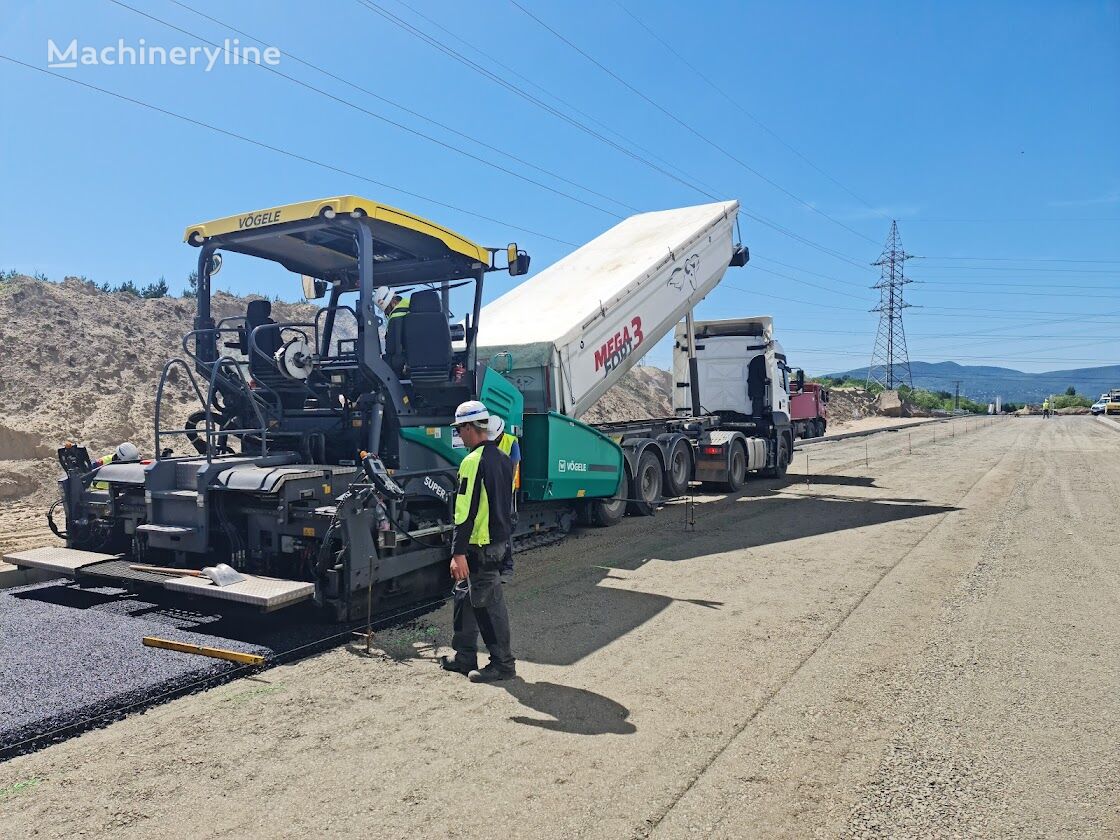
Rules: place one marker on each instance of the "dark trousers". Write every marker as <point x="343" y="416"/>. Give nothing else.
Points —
<point x="482" y="608"/>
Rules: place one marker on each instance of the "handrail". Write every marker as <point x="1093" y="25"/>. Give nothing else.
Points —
<point x="210" y="434"/>
<point x="218" y="331"/>
<point x="159" y="396"/>
<point x="336" y="310"/>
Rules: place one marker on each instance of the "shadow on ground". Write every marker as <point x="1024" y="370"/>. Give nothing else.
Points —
<point x="583" y="615"/>
<point x="573" y="710"/>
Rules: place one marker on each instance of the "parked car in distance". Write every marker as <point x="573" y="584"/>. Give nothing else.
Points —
<point x="1098" y="406"/>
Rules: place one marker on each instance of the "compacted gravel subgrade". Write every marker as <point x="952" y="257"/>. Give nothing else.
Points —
<point x="917" y="640"/>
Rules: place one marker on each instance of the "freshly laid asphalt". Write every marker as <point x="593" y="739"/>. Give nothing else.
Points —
<point x="69" y="654"/>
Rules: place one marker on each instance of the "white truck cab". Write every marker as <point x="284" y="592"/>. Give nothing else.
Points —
<point x="741" y="370"/>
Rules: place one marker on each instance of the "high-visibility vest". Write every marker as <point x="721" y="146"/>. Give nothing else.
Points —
<point x="468" y="482"/>
<point x="506" y="443"/>
<point x="101" y="462"/>
<point x="401" y="309"/>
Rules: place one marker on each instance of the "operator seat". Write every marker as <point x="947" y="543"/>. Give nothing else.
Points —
<point x="263" y="368"/>
<point x="259" y="314"/>
<point x="426" y="340"/>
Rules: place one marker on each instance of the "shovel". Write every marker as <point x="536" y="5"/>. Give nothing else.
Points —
<point x="222" y="575"/>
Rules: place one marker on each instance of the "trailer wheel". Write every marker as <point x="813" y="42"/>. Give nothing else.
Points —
<point x="607" y="512"/>
<point x="736" y="468"/>
<point x="645" y="485"/>
<point x="679" y="471"/>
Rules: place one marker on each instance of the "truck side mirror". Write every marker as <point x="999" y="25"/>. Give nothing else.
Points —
<point x="740" y="256"/>
<point x="518" y="260"/>
<point x="313" y="287"/>
<point x="800" y="380"/>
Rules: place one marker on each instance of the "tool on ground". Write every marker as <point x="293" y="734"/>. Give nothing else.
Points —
<point x="222" y="575"/>
<point x="200" y="650"/>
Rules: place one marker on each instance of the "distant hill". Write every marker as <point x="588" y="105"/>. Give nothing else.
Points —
<point x="984" y="383"/>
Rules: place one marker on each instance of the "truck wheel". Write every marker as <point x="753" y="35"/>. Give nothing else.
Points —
<point x="736" y="468"/>
<point x="782" y="463"/>
<point x="677" y="474"/>
<point x="645" y="485"/>
<point x="607" y="512"/>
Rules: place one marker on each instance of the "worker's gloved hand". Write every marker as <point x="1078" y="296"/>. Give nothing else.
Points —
<point x="459" y="569"/>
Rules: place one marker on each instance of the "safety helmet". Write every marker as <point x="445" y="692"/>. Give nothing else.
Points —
<point x="381" y="296"/>
<point x="472" y="411"/>
<point x="497" y="427"/>
<point x="126" y="452"/>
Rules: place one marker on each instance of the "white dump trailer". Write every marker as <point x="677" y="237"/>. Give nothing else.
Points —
<point x="567" y="334"/>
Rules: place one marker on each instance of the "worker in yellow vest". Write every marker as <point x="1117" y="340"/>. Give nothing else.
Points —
<point x="482" y="528"/>
<point x="395" y="308"/>
<point x="508" y="444"/>
<point x="1046" y="407"/>
<point x="124" y="453"/>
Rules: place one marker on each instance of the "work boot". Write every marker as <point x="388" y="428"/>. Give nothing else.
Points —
<point x="459" y="666"/>
<point x="492" y="673"/>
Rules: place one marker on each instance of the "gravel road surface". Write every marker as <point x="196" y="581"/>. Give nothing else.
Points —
<point x="916" y="640"/>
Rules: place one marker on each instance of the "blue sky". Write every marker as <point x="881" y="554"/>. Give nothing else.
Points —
<point x="988" y="130"/>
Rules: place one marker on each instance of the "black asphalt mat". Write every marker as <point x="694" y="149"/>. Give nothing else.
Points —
<point x="68" y="654"/>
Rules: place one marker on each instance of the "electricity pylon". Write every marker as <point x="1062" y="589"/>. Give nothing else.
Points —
<point x="890" y="363"/>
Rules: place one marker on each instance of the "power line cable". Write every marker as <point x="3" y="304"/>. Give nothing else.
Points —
<point x="1064" y="293"/>
<point x="700" y="136"/>
<point x="497" y="79"/>
<point x="293" y="155"/>
<point x="1023" y="259"/>
<point x="952" y="312"/>
<point x="408" y="110"/>
<point x="688" y="180"/>
<point x="1017" y="269"/>
<point x="1053" y="360"/>
<point x="739" y="107"/>
<point x="497" y="62"/>
<point x="755" y="256"/>
<point x="808" y="283"/>
<point x="1055" y="287"/>
<point x="1011" y="219"/>
<point x="1033" y="337"/>
<point x="381" y="117"/>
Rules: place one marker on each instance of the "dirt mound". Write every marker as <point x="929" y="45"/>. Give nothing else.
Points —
<point x="847" y="404"/>
<point x="83" y="365"/>
<point x="643" y="393"/>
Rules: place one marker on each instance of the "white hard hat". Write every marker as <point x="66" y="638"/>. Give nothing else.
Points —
<point x="496" y="427"/>
<point x="472" y="411"/>
<point x="126" y="452"/>
<point x="381" y="296"/>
